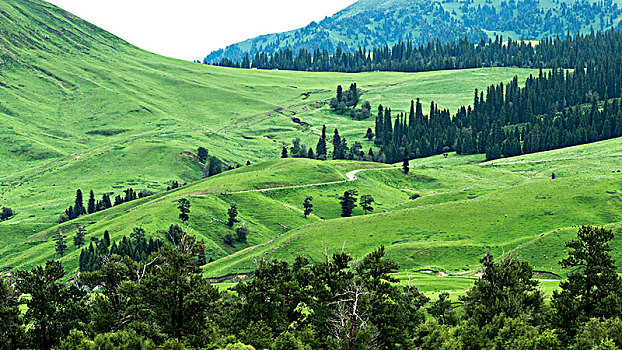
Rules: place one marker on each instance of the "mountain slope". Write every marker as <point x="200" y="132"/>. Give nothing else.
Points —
<point x="83" y="109"/>
<point x="375" y="23"/>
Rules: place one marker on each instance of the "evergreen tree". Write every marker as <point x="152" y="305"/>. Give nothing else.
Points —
<point x="11" y="330"/>
<point x="369" y="135"/>
<point x="348" y="202"/>
<point x="53" y="308"/>
<point x="78" y="208"/>
<point x="308" y="206"/>
<point x="320" y="149"/>
<point x="337" y="146"/>
<point x="61" y="246"/>
<point x="184" y="209"/>
<point x="91" y="203"/>
<point x="366" y="201"/>
<point x="232" y="214"/>
<point x="202" y="154"/>
<point x="593" y="288"/>
<point x="284" y="152"/>
<point x="406" y="163"/>
<point x="78" y="240"/>
<point x="137" y="235"/>
<point x="506" y="288"/>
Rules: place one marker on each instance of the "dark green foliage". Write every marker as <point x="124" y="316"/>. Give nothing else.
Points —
<point x="320" y="149"/>
<point x="366" y="201"/>
<point x="78" y="239"/>
<point x="339" y="146"/>
<point x="406" y="163"/>
<point x="54" y="308"/>
<point x="78" y="207"/>
<point x="593" y="288"/>
<point x="137" y="248"/>
<point x="298" y="150"/>
<point x="138" y="234"/>
<point x="61" y="246"/>
<point x="241" y="233"/>
<point x="5" y="213"/>
<point x="213" y="166"/>
<point x="549" y="112"/>
<point x="232" y="215"/>
<point x="348" y="202"/>
<point x="506" y="287"/>
<point x="308" y="206"/>
<point x="91" y="203"/>
<point x="443" y="310"/>
<point x="457" y="52"/>
<point x="184" y="209"/>
<point x="11" y="328"/>
<point x="369" y="135"/>
<point x="284" y="153"/>
<point x="346" y="102"/>
<point x="202" y="154"/>
<point x="174" y="234"/>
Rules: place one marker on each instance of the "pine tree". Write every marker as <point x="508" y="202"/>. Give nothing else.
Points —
<point x="284" y="152"/>
<point x="78" y="208"/>
<point x="184" y="209"/>
<point x="369" y="135"/>
<point x="406" y="163"/>
<point x="232" y="214"/>
<point x="348" y="202"/>
<point x="61" y="246"/>
<point x="366" y="201"/>
<point x="91" y="203"/>
<point x="308" y="206"/>
<point x="78" y="240"/>
<point x="320" y="149"/>
<point x="337" y="147"/>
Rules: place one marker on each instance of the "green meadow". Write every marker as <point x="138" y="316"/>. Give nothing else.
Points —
<point x="80" y="108"/>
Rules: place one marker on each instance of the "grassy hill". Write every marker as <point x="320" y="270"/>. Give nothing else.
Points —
<point x="375" y="23"/>
<point x="80" y="108"/>
<point x="466" y="207"/>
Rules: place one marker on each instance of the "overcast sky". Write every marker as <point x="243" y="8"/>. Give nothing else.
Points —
<point x="190" y="29"/>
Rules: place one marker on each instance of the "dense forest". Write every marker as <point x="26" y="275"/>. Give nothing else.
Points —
<point x="554" y="110"/>
<point x="382" y="23"/>
<point x="339" y="303"/>
<point x="406" y="56"/>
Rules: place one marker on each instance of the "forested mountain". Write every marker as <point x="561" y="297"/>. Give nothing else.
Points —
<point x="376" y="23"/>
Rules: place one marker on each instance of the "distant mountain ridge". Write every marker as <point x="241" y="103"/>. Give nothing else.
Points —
<point x="375" y="23"/>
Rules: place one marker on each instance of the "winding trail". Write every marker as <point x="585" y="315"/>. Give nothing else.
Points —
<point x="350" y="176"/>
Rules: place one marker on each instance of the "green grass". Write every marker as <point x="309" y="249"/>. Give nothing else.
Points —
<point x="80" y="108"/>
<point x="465" y="210"/>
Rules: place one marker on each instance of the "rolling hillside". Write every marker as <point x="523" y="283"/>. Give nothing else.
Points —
<point x="80" y="108"/>
<point x="376" y="23"/>
<point x="466" y="208"/>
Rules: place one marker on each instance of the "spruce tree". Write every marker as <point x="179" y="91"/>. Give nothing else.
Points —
<point x="308" y="206"/>
<point x="284" y="152"/>
<point x="184" y="209"/>
<point x="337" y="147"/>
<point x="593" y="288"/>
<point x="78" y="240"/>
<point x="320" y="149"/>
<point x="232" y="214"/>
<point x="369" y="135"/>
<point x="348" y="202"/>
<point x="406" y="163"/>
<point x="61" y="246"/>
<point x="78" y="208"/>
<point x="91" y="203"/>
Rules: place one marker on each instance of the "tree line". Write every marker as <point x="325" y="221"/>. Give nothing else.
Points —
<point x="555" y="110"/>
<point x="406" y="56"/>
<point x="337" y="302"/>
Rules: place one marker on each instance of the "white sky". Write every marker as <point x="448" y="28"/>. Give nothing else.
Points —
<point x="190" y="29"/>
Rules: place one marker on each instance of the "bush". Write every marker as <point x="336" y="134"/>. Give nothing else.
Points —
<point x="415" y="196"/>
<point x="5" y="213"/>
